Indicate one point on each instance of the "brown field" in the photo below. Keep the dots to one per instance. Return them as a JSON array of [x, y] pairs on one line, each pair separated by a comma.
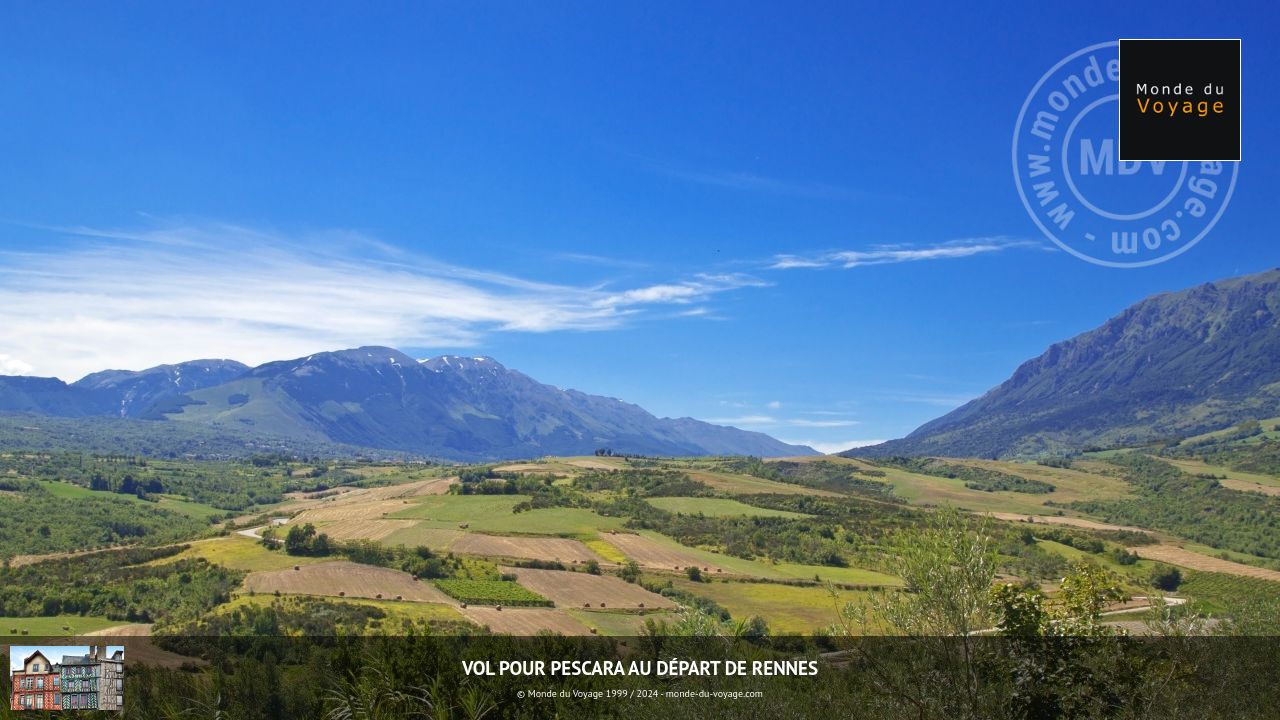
[[521, 467], [652, 554], [575, 589], [377, 529], [525, 621], [532, 548], [1060, 520], [348, 509], [139, 649], [344, 579], [597, 464], [433, 486], [365, 503], [1194, 560], [132, 630], [417, 534], [1246, 486]]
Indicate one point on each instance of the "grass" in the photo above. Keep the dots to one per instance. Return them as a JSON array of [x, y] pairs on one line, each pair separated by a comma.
[[1243, 480], [1267, 432], [396, 610], [780, 571], [1136, 573], [492, 592], [716, 507], [493, 514], [69, 491], [435, 538], [1069, 485], [751, 485], [1219, 591], [52, 626], [1243, 558], [618, 624], [237, 552], [789, 610], [605, 550]]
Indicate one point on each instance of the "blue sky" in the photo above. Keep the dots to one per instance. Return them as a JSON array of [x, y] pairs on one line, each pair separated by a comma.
[[610, 197]]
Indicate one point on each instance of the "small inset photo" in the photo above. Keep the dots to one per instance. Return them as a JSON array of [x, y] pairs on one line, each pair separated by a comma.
[[66, 677]]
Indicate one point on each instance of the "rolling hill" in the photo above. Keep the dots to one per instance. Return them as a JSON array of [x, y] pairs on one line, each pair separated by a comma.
[[1172, 365], [449, 407]]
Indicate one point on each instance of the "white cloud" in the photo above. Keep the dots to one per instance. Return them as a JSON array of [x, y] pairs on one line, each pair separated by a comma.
[[774, 405], [13, 366], [827, 448], [801, 422], [136, 299], [772, 421], [892, 254], [744, 420]]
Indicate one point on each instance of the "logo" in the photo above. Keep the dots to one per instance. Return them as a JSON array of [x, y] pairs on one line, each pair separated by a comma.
[[1104, 210]]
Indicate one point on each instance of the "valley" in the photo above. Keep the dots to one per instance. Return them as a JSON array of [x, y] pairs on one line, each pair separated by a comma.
[[588, 544]]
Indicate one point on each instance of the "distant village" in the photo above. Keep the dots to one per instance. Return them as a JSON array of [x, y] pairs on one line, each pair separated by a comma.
[[74, 682]]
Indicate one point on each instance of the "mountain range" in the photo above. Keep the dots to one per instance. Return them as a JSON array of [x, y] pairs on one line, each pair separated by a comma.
[[1172, 365], [456, 408]]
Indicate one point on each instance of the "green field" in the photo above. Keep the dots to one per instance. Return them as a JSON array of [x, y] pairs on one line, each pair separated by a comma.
[[1220, 592], [493, 514], [782, 570], [53, 626], [789, 610], [492, 592], [716, 507], [165, 502], [1242, 479], [618, 624], [1069, 485], [396, 610], [735, 483], [238, 552], [1268, 432]]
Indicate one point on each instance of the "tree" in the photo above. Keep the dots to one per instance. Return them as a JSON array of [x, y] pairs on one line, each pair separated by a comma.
[[1166, 577], [948, 567], [630, 571]]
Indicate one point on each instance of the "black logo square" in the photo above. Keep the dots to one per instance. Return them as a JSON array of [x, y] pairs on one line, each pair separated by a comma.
[[1179, 100]]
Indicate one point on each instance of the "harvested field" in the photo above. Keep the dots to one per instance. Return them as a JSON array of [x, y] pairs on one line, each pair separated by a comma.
[[597, 464], [525, 621], [1245, 486], [418, 534], [366, 503], [652, 554], [131, 630], [577, 590], [377, 529], [532, 548], [1194, 560], [521, 467], [434, 486], [351, 509], [1060, 520], [344, 579]]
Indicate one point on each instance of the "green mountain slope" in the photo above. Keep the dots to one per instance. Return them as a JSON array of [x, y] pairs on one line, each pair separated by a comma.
[[1174, 364]]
